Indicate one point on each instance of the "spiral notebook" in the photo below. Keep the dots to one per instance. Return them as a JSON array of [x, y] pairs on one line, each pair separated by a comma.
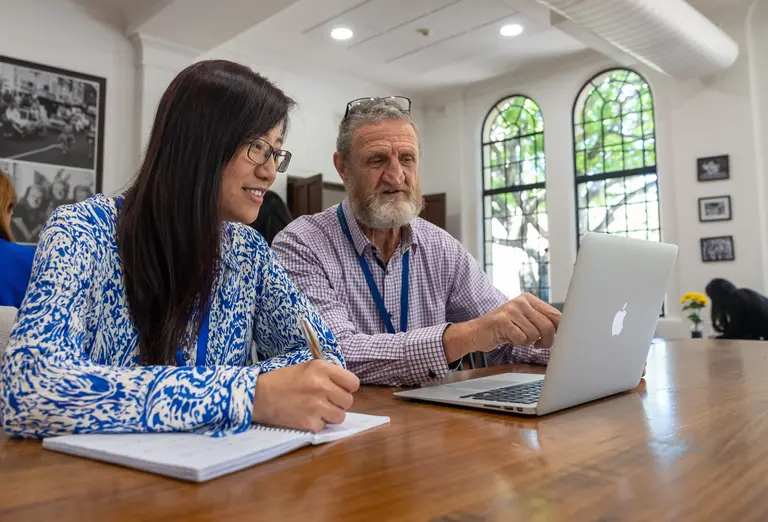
[[198, 458]]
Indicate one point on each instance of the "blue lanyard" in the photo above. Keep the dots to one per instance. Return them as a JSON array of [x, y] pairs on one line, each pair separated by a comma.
[[202, 339], [385, 316]]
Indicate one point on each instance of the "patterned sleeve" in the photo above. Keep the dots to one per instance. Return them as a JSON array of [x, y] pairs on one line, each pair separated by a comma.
[[49, 386], [281, 309], [401, 359], [472, 295]]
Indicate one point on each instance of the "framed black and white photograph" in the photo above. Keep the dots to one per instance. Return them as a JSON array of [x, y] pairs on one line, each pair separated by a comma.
[[51, 139], [717, 249], [715, 208], [40, 189], [713, 168]]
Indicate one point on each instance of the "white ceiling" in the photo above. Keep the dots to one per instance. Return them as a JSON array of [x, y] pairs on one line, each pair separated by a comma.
[[117, 12], [464, 45]]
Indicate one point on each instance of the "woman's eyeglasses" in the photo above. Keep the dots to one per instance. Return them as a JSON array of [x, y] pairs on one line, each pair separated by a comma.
[[401, 102], [259, 152]]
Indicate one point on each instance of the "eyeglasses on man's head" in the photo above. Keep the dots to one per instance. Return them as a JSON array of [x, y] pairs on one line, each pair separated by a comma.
[[401, 102]]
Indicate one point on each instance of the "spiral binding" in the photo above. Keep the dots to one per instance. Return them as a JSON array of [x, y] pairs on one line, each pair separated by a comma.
[[275, 429]]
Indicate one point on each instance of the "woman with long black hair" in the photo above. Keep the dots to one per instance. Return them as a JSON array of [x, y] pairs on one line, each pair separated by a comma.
[[141, 309], [737, 313]]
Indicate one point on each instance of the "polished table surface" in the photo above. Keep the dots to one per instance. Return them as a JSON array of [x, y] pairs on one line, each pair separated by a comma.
[[690, 443]]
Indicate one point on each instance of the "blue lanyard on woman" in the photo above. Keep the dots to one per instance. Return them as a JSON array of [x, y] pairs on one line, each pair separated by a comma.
[[385, 316], [202, 339]]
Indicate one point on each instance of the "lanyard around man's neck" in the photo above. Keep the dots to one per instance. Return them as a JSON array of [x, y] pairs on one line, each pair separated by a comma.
[[386, 317]]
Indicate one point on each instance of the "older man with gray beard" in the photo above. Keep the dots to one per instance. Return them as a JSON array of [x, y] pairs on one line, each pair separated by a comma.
[[404, 298]]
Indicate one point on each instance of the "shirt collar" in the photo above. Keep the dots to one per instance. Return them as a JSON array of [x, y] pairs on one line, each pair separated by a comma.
[[361, 241]]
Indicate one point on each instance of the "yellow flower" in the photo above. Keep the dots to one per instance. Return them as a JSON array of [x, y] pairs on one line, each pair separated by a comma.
[[695, 298]]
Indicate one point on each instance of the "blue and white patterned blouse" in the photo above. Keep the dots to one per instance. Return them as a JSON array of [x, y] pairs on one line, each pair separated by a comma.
[[72, 362]]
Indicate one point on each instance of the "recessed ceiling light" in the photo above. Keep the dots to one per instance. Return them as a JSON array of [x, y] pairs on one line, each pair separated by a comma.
[[511, 30], [342, 33]]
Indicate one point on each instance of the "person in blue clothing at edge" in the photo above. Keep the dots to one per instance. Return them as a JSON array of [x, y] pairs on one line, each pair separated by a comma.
[[15, 259], [141, 309]]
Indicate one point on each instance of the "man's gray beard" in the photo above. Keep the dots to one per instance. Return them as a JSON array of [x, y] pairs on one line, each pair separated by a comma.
[[394, 214]]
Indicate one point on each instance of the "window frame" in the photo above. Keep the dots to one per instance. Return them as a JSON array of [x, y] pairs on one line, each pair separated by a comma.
[[484, 192], [577, 179]]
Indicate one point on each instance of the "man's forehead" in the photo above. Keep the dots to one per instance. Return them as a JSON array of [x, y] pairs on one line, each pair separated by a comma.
[[385, 133]]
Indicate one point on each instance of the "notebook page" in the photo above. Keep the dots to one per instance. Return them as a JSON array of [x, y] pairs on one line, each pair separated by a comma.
[[194, 457], [353, 424], [182, 455]]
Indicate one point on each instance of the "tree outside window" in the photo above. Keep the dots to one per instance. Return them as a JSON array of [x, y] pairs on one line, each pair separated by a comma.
[[615, 157], [515, 226]]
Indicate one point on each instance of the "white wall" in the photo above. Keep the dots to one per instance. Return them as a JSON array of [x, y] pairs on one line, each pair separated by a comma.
[[710, 117], [694, 118], [59, 34]]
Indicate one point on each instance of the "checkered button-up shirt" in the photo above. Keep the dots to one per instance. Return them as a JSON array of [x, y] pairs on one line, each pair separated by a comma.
[[446, 286]]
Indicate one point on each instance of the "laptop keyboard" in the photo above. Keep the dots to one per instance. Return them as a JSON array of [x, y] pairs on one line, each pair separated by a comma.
[[527, 393]]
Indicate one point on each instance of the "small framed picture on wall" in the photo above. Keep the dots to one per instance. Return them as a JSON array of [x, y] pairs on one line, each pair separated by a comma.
[[715, 208], [713, 168], [715, 249]]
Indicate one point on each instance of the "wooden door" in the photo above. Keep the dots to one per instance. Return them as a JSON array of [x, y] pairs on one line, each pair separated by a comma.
[[435, 209], [333, 194], [305, 195]]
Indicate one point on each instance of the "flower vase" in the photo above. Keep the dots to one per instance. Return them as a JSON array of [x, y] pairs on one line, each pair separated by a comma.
[[696, 331]]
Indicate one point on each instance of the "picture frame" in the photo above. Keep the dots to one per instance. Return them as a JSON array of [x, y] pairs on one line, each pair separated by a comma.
[[715, 208], [51, 139], [719, 248], [713, 168]]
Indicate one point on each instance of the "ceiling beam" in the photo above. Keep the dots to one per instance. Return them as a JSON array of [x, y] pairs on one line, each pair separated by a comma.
[[202, 24]]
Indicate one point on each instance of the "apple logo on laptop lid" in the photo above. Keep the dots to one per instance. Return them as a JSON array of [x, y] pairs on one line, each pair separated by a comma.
[[618, 321]]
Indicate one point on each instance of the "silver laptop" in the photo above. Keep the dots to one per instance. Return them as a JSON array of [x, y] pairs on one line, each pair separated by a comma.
[[614, 300]]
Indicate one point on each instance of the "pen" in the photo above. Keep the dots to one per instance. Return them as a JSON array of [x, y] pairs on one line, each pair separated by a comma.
[[311, 338]]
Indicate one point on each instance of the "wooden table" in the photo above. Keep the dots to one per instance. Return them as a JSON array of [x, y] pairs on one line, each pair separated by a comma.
[[690, 443]]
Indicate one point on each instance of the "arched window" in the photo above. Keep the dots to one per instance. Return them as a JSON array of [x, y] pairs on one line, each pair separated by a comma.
[[615, 155], [515, 228]]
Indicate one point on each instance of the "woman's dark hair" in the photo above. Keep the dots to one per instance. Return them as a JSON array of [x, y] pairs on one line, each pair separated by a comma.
[[720, 291], [168, 229]]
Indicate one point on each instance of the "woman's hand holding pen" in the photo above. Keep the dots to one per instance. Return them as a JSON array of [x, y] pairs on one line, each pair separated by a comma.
[[305, 396]]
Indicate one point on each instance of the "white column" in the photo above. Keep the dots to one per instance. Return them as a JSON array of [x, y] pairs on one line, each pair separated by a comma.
[[157, 63], [757, 49]]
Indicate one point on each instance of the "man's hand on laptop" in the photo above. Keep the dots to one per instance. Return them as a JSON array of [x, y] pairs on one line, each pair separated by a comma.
[[522, 321]]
